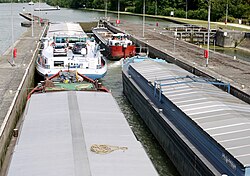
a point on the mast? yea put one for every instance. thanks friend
(106, 9)
(12, 35)
(118, 10)
(143, 20)
(208, 31)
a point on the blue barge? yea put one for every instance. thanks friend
(204, 130)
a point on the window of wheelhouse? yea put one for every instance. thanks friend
(58, 63)
(60, 39)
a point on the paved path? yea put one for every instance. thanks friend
(11, 76)
(235, 25)
(220, 66)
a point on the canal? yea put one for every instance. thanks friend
(113, 78)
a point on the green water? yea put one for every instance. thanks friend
(239, 54)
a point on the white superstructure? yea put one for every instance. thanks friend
(59, 52)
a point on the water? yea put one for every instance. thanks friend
(239, 54)
(5, 25)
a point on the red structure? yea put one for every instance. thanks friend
(14, 52)
(206, 54)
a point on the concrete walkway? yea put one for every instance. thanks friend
(235, 25)
(12, 76)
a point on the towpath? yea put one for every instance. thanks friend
(220, 66)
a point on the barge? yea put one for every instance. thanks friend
(204, 130)
(116, 46)
(76, 133)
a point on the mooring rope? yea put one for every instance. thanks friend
(105, 149)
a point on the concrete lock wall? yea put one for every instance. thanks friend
(229, 39)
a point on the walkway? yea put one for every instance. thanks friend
(11, 76)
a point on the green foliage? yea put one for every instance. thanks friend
(130, 9)
(180, 13)
(197, 9)
(198, 14)
(229, 19)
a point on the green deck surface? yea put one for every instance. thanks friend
(71, 86)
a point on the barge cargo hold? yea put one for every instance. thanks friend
(204, 130)
(77, 133)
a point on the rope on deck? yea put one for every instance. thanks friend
(105, 149)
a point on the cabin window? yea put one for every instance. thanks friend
(58, 63)
(45, 61)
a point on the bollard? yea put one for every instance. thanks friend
(15, 132)
(14, 52)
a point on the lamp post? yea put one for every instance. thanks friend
(106, 8)
(155, 7)
(118, 9)
(186, 9)
(208, 31)
(226, 13)
(175, 35)
(39, 12)
(143, 20)
(12, 36)
(32, 24)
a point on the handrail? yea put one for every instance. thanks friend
(192, 79)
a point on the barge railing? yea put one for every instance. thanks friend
(193, 79)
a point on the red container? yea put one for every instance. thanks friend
(206, 54)
(14, 52)
(118, 21)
